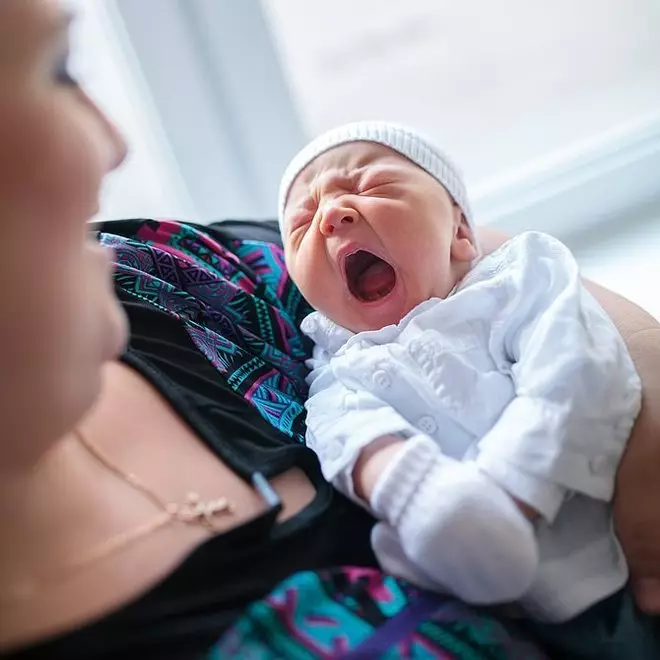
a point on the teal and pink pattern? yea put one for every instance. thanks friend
(355, 614)
(237, 303)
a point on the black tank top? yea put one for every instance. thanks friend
(184, 615)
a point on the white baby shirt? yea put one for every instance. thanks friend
(520, 371)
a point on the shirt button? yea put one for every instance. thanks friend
(415, 349)
(382, 379)
(309, 325)
(598, 464)
(427, 424)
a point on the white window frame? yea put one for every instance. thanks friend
(214, 77)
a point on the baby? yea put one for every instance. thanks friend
(478, 406)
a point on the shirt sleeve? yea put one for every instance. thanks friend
(577, 391)
(342, 421)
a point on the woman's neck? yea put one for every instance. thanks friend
(36, 500)
(46, 497)
(60, 508)
(21, 486)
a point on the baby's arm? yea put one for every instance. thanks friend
(577, 391)
(374, 459)
(449, 521)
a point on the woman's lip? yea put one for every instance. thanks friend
(103, 252)
(103, 257)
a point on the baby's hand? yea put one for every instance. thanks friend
(455, 524)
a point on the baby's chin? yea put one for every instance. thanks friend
(375, 316)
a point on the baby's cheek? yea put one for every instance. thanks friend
(299, 269)
(308, 269)
(324, 295)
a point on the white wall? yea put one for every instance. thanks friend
(551, 107)
(215, 80)
(500, 84)
(504, 100)
(626, 259)
(148, 183)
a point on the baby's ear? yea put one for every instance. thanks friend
(464, 247)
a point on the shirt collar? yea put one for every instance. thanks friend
(325, 333)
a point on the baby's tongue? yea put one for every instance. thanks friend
(376, 281)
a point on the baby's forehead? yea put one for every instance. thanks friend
(349, 159)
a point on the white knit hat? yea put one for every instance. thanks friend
(403, 140)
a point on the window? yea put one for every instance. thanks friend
(149, 183)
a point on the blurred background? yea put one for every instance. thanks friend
(551, 108)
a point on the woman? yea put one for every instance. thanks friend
(145, 501)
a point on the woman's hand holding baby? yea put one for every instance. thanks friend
(637, 498)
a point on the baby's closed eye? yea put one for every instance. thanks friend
(299, 220)
(377, 189)
(376, 182)
(302, 216)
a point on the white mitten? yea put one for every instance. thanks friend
(456, 524)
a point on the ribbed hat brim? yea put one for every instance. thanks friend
(405, 141)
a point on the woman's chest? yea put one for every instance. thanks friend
(117, 545)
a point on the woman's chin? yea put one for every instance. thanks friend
(117, 335)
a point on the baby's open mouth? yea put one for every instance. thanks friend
(369, 277)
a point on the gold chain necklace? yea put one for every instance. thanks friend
(194, 511)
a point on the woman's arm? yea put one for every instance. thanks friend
(637, 497)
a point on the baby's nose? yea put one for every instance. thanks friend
(337, 218)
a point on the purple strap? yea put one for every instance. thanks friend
(395, 629)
